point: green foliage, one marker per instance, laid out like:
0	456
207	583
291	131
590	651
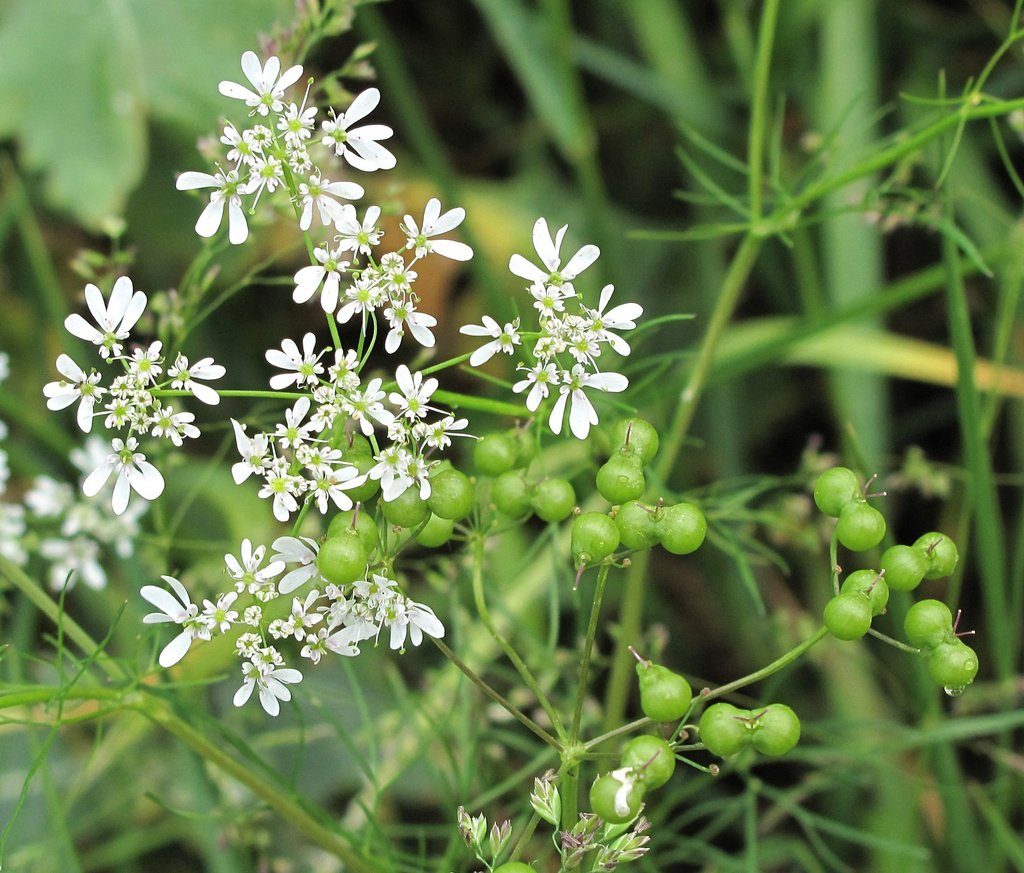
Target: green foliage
837	280
81	82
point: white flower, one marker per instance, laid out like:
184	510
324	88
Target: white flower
413	472
296	123
76	385
227	189
254	454
316	645
548	250
549	300
182	611
413	401
434	224
581	411
401	315
356	237
133	472
73	558
241	147
174	426
364	296
268	86
265	173
538	380
331	485
359	146
282	486
390	462
219	616
145	363
249	577
115	319
309	279
292	432
48	498
304	367
365	407
438	434
412	619
505	339
321	193
12	529
184	378
303	616
621	317
272	684
296	550
344	642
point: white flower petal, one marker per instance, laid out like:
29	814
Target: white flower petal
176	649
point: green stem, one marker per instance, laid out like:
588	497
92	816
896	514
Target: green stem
725	307
508	706
885	638
588	649
506	647
627	728
631	611
49	607
982	496
769	670
275	395
46	693
273	796
905	147
569	791
759	105
286	806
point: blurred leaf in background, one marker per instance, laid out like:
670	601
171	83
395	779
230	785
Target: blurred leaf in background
80	79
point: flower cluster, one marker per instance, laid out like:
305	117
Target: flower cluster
133	402
282	150
565	357
81	530
326	619
275	152
320	451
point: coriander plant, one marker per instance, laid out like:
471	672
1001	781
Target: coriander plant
465	512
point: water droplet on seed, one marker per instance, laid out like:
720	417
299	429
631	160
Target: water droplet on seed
955	692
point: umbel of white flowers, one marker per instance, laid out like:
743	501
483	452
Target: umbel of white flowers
570	337
329	619
129	404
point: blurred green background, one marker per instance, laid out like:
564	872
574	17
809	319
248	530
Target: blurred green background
598	114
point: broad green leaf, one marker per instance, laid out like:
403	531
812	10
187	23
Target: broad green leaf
80	79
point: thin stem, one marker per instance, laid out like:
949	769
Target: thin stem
982	495
49	607
280	801
833	559
506	647
627	728
631	611
509	707
46	693
769	670
886	157
759	105
903	647
725	307
588	649
276	395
